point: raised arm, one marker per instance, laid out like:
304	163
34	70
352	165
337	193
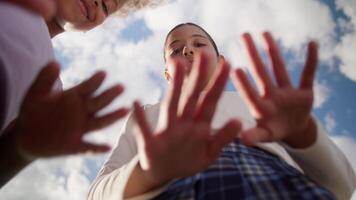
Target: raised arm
326	164
182	139
283	114
113	175
54	123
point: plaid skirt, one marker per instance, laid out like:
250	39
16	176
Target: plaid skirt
246	173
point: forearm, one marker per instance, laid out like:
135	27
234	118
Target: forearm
141	182
305	138
3	94
11	161
326	164
115	184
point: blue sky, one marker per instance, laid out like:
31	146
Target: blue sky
130	50
341	102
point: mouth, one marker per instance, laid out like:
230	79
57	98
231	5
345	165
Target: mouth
84	8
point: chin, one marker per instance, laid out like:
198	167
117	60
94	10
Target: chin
69	27
74	28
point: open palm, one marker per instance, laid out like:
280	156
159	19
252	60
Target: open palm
54	123
184	145
281	110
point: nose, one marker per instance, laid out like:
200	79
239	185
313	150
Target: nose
98	2
188	51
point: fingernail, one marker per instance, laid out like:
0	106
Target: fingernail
136	104
100	73
246	35
119	88
266	34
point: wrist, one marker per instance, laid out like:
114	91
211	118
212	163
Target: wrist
13	161
151	178
142	181
305	137
20	146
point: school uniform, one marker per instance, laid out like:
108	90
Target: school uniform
267	171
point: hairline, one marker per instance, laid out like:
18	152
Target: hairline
194	35
189	24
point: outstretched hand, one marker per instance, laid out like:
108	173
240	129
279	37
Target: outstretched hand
54	123
282	112
184	136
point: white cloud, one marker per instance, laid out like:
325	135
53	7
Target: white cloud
125	62
57	179
346	48
321	94
330	122
349	8
346	52
293	22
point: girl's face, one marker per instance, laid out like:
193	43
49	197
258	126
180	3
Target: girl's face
185	42
84	14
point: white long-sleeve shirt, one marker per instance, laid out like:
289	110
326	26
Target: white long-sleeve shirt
323	161
25	48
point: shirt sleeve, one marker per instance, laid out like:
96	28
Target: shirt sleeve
326	164
3	96
114	175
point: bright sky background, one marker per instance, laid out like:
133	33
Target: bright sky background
130	51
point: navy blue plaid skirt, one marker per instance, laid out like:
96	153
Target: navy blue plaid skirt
246	173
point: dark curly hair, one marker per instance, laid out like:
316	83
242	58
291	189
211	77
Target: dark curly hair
128	6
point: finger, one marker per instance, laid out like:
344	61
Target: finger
174	93
258	69
248	93
310	67
256	135
277	61
46	8
215	88
106	120
89	86
104	99
140	117
90	147
224	136
194	86
45	80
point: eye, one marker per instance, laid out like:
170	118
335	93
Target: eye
105	8
199	44
176	51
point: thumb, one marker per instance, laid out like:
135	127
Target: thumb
224	136
256	135
45	80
